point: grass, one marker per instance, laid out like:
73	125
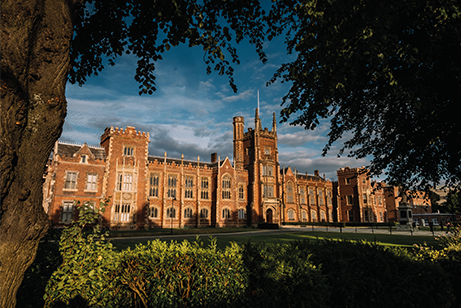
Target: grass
222	241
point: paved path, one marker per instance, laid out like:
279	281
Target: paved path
283	229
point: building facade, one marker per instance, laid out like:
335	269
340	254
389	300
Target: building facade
148	191
358	198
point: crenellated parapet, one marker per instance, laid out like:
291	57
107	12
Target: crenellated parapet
129	131
351	170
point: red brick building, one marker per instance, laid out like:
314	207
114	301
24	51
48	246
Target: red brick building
149	191
358	198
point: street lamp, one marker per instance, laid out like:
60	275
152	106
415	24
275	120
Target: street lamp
171	213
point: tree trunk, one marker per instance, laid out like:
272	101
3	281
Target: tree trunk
35	60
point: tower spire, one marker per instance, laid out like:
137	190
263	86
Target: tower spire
257	120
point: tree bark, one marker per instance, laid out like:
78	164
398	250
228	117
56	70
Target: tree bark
35	60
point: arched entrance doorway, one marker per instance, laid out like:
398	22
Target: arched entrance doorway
269	216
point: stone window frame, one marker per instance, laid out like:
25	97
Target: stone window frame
128	151
188	213
206	211
204	191
154	185
291	214
188	187
240	215
67	210
95	182
154	210
226	213
67	180
226	188
172	185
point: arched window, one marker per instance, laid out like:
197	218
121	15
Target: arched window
153	213
314	216
226	187
323	216
304	215
290	192
188	213
291	215
171	213
241	214
226	214
204	213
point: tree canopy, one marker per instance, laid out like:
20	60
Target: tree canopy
108	29
386	73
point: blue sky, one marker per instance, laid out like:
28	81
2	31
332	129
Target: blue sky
191	112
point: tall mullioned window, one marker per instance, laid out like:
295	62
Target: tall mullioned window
241	192
71	180
128	151
312	196
290	192
189	185
172	186
204	188
91	180
226	187
67	211
153	185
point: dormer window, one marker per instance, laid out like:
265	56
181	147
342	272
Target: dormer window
84	159
128	151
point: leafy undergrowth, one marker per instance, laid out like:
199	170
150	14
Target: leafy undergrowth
296	274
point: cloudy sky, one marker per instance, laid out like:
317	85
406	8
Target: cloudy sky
191	112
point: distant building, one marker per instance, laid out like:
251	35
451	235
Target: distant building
358	198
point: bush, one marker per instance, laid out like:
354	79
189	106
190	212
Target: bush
299	274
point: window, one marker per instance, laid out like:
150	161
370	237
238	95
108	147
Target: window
122	212
320	194
119	181
67	211
349	199
302	193
304	215
268	191
241	192
204	191
314	216
365	198
188	213
153	213
127	182
71	180
91	181
323	217
172	186
350	215
171	212
290	192
348	181
153	187
226	214
330	201
381	216
241	214
128	151
267	170
226	187
124	181
189	184
380	200
84	159
291	215
311	196
204	213
366	215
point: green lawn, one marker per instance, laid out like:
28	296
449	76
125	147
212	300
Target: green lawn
381	239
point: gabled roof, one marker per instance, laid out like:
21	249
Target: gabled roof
71	149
